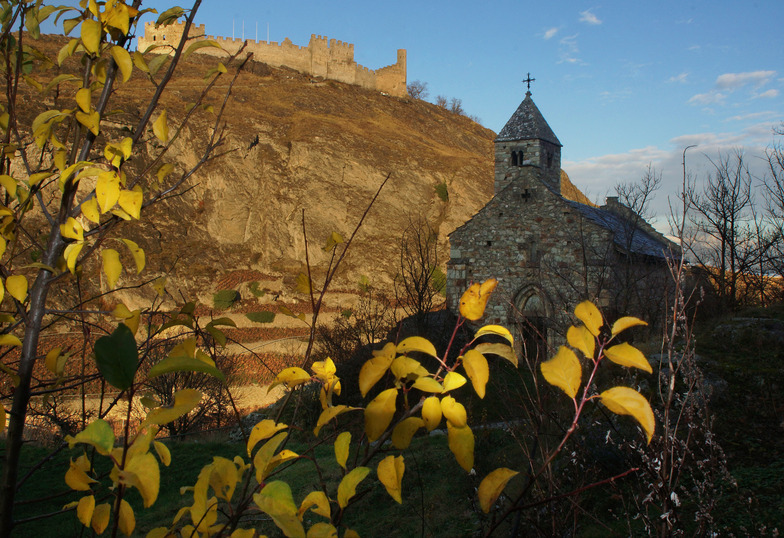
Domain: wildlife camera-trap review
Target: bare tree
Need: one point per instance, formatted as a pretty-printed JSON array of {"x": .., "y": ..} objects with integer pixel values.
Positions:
[
  {"x": 441, "y": 101},
  {"x": 420, "y": 281},
  {"x": 721, "y": 217},
  {"x": 417, "y": 89},
  {"x": 456, "y": 106}
]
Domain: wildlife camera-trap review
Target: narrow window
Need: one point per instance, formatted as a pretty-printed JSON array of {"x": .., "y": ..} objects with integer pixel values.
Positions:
[
  {"x": 489, "y": 243},
  {"x": 514, "y": 158}
]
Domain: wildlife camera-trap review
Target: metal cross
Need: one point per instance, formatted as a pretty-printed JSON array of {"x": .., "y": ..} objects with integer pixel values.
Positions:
[{"x": 528, "y": 81}]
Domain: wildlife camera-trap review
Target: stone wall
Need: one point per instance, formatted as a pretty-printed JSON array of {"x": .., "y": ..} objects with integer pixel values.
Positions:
[{"x": 322, "y": 57}]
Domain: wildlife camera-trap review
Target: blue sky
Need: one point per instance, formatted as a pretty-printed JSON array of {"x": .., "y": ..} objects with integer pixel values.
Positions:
[{"x": 622, "y": 83}]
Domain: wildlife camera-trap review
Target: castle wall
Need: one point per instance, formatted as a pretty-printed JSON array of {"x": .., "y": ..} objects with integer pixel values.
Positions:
[{"x": 322, "y": 57}]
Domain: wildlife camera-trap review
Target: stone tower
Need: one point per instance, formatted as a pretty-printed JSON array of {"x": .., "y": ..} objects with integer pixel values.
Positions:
[{"x": 527, "y": 141}]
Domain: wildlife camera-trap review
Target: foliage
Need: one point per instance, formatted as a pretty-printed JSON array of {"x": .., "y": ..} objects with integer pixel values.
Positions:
[{"x": 225, "y": 299}]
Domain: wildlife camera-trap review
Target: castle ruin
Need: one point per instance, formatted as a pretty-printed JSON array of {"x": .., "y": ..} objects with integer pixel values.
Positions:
[{"x": 322, "y": 57}]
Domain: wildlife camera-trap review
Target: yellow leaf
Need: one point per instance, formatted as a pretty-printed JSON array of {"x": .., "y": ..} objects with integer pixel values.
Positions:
[
  {"x": 428, "y": 384},
  {"x": 98, "y": 434},
  {"x": 461, "y": 443},
  {"x": 474, "y": 299},
  {"x": 163, "y": 452},
  {"x": 303, "y": 284},
  {"x": 564, "y": 371},
  {"x": 342, "y": 444},
  {"x": 477, "y": 370},
  {"x": 627, "y": 355},
  {"x": 275, "y": 499},
  {"x": 497, "y": 330},
  {"x": 324, "y": 370},
  {"x": 333, "y": 240},
  {"x": 453, "y": 411},
  {"x": 453, "y": 381},
  {"x": 16, "y": 285},
  {"x": 379, "y": 413},
  {"x": 223, "y": 478},
  {"x": 317, "y": 499},
  {"x": 237, "y": 533},
  {"x": 184, "y": 401},
  {"x": 322, "y": 530},
  {"x": 90, "y": 120},
  {"x": 624, "y": 323},
  {"x": 91, "y": 36},
  {"x": 76, "y": 477},
  {"x": 164, "y": 171},
  {"x": 291, "y": 376},
  {"x": 407, "y": 369},
  {"x": 2, "y": 418},
  {"x": 139, "y": 62},
  {"x": 390, "y": 473},
  {"x": 84, "y": 99},
  {"x": 431, "y": 413},
  {"x": 131, "y": 202},
  {"x": 159, "y": 285},
  {"x": 263, "y": 430},
  {"x": 348, "y": 486},
  {"x": 9, "y": 184},
  {"x": 375, "y": 368},
  {"x": 51, "y": 360},
  {"x": 137, "y": 253},
  {"x": 590, "y": 316},
  {"x": 71, "y": 255},
  {"x": 123, "y": 60},
  {"x": 85, "y": 509},
  {"x": 90, "y": 210},
  {"x": 111, "y": 266},
  {"x": 350, "y": 533},
  {"x": 492, "y": 485},
  {"x": 71, "y": 229},
  {"x": 9, "y": 340},
  {"x": 328, "y": 414},
  {"x": 626, "y": 401},
  {"x": 404, "y": 431},
  {"x": 265, "y": 454},
  {"x": 101, "y": 515},
  {"x": 143, "y": 473},
  {"x": 417, "y": 343},
  {"x": 580, "y": 338},
  {"x": 160, "y": 128},
  {"x": 502, "y": 350},
  {"x": 107, "y": 190},
  {"x": 127, "y": 521}
]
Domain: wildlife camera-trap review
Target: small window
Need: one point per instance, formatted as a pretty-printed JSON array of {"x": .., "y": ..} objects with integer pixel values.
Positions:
[
  {"x": 489, "y": 243},
  {"x": 549, "y": 159},
  {"x": 514, "y": 158}
]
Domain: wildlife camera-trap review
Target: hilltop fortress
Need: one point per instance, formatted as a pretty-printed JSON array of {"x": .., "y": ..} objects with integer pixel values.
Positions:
[{"x": 330, "y": 59}]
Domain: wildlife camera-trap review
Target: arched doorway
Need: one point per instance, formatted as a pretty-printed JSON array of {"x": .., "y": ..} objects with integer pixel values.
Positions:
[{"x": 531, "y": 315}]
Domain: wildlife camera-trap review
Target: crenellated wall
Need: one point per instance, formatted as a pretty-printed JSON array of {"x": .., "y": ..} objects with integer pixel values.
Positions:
[{"x": 322, "y": 57}]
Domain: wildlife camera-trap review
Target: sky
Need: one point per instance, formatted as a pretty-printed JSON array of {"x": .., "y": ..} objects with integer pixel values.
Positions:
[{"x": 623, "y": 84}]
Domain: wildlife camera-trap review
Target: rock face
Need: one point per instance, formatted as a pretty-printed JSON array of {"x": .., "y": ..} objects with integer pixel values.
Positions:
[{"x": 299, "y": 146}]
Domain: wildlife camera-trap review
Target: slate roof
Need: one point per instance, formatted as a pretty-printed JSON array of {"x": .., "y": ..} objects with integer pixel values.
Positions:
[
  {"x": 642, "y": 242},
  {"x": 527, "y": 123}
]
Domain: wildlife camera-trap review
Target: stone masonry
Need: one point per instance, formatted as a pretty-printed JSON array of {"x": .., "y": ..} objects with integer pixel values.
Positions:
[
  {"x": 547, "y": 252},
  {"x": 322, "y": 57}
]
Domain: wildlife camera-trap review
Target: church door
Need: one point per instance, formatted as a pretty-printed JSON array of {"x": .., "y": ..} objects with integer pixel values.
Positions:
[{"x": 532, "y": 326}]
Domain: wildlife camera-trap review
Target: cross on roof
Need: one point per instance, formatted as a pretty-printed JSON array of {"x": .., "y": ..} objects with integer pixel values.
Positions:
[{"x": 528, "y": 81}]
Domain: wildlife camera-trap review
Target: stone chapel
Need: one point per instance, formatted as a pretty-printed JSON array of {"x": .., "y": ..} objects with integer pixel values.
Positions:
[{"x": 549, "y": 252}]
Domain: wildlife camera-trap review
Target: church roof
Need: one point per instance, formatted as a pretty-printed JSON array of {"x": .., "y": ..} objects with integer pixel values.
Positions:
[
  {"x": 527, "y": 123},
  {"x": 628, "y": 235}
]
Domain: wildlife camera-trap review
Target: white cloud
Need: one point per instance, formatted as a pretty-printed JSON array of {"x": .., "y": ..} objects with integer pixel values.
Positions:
[
  {"x": 733, "y": 81},
  {"x": 679, "y": 78},
  {"x": 548, "y": 34},
  {"x": 754, "y": 115},
  {"x": 588, "y": 17},
  {"x": 569, "y": 50},
  {"x": 710, "y": 98},
  {"x": 769, "y": 94}
]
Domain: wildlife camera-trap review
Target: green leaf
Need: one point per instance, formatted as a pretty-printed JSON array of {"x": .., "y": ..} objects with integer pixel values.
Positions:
[
  {"x": 348, "y": 486},
  {"x": 181, "y": 363},
  {"x": 117, "y": 357},
  {"x": 224, "y": 299},
  {"x": 193, "y": 47},
  {"x": 169, "y": 16},
  {"x": 261, "y": 317},
  {"x": 98, "y": 434}
]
